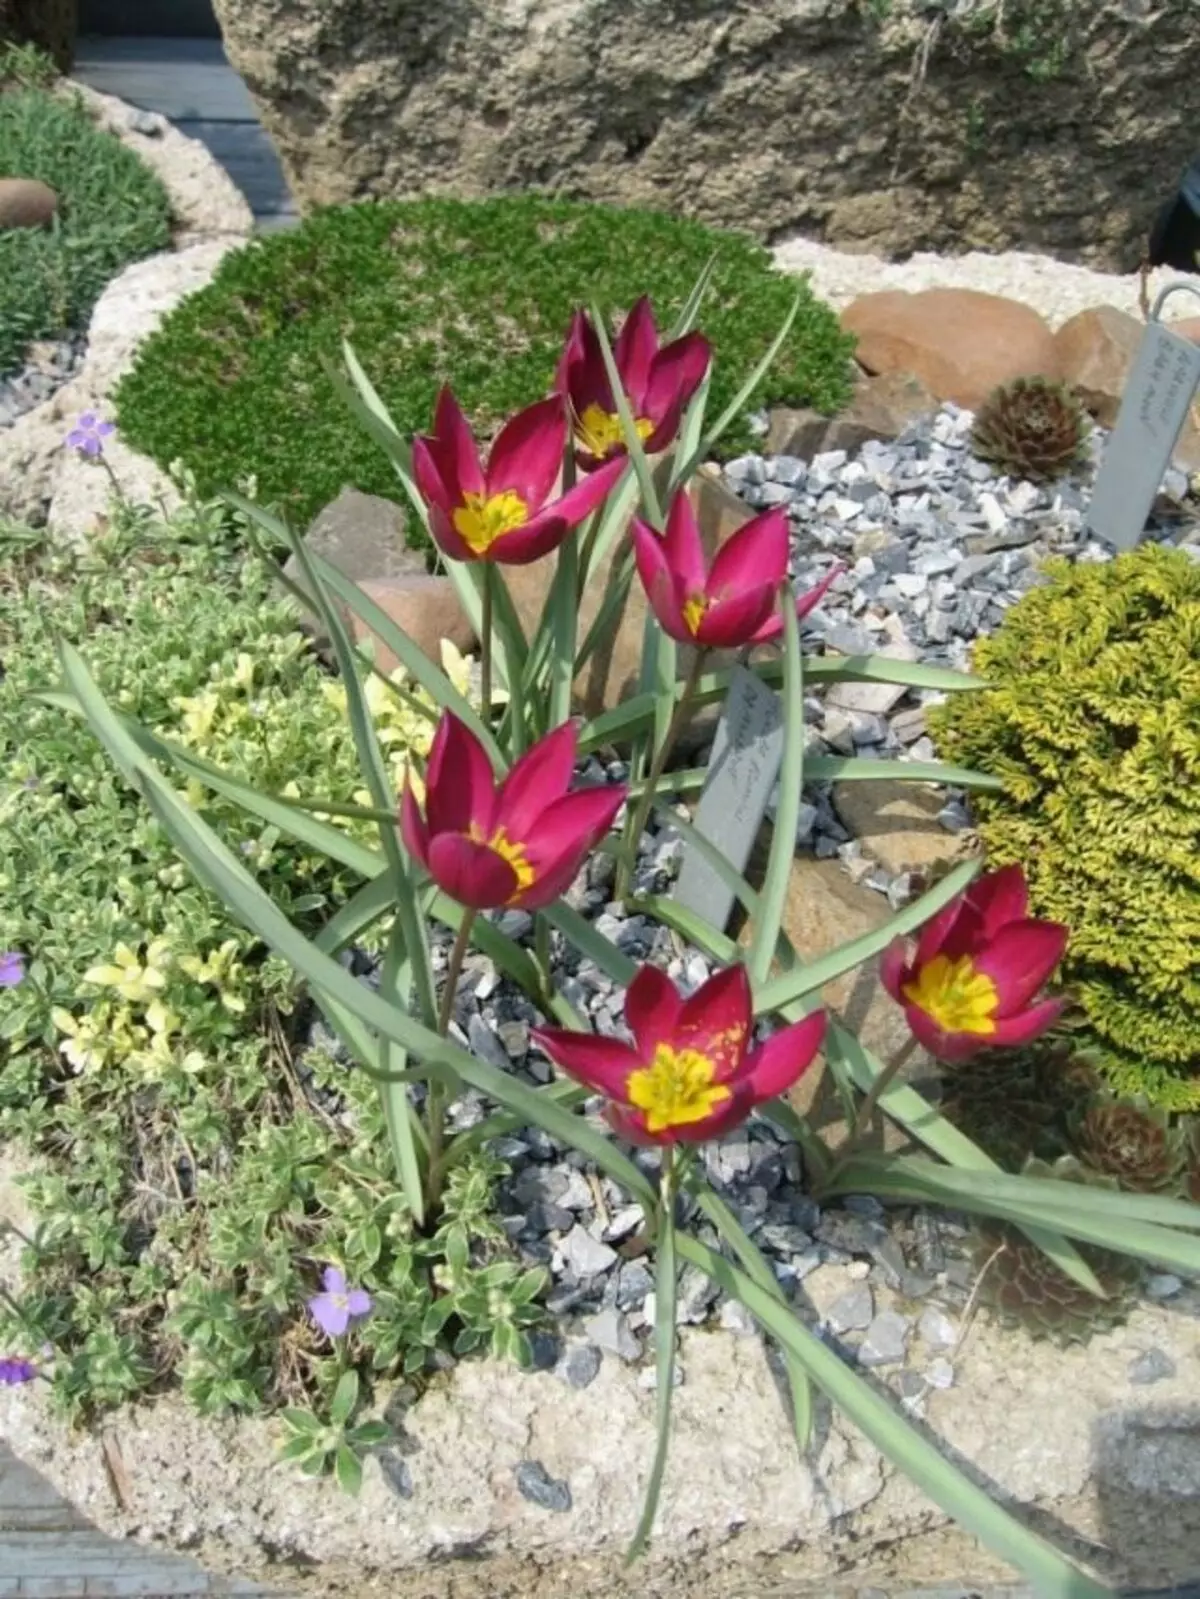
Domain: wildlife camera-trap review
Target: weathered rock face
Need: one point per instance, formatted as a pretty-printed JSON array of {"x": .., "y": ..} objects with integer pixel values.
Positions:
[
  {"x": 49, "y": 24},
  {"x": 923, "y": 131}
]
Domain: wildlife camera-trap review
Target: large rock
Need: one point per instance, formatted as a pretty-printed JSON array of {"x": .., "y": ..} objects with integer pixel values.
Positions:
[
  {"x": 881, "y": 407},
  {"x": 26, "y": 203},
  {"x": 805, "y": 114},
  {"x": 1097, "y": 348},
  {"x": 959, "y": 342},
  {"x": 897, "y": 824},
  {"x": 611, "y": 675}
]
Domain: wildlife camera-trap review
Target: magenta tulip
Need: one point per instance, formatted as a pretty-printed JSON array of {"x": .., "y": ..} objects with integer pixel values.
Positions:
[
  {"x": 977, "y": 969},
  {"x": 502, "y": 510},
  {"x": 734, "y": 603},
  {"x": 658, "y": 382},
  {"x": 517, "y": 843},
  {"x": 690, "y": 1074}
]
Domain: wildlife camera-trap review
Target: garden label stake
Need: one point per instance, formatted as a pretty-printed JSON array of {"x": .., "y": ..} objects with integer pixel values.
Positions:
[
  {"x": 1161, "y": 387},
  {"x": 746, "y": 756}
]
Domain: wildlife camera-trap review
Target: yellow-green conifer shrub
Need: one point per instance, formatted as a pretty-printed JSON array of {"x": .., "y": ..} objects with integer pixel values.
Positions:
[{"x": 1092, "y": 720}]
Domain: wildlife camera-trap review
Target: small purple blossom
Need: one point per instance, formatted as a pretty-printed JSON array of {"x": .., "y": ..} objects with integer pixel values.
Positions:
[
  {"x": 89, "y": 433},
  {"x": 12, "y": 968},
  {"x": 13, "y": 1372},
  {"x": 332, "y": 1311}
]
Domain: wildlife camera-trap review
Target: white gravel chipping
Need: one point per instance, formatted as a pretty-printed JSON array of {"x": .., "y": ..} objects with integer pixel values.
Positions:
[{"x": 1057, "y": 289}]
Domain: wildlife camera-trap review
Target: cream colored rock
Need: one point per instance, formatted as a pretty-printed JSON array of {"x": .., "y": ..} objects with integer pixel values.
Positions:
[
  {"x": 829, "y": 115},
  {"x": 897, "y": 824}
]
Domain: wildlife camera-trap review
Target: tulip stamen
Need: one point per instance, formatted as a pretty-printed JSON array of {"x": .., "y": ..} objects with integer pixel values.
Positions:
[
  {"x": 694, "y": 608},
  {"x": 955, "y": 995},
  {"x": 483, "y": 518},
  {"x": 599, "y": 432},
  {"x": 676, "y": 1088}
]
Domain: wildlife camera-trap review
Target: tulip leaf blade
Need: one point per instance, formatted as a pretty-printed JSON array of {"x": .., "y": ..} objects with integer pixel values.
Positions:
[
  {"x": 633, "y": 442},
  {"x": 866, "y": 769},
  {"x": 577, "y": 930},
  {"x": 691, "y": 306},
  {"x": 395, "y": 986},
  {"x": 361, "y": 911},
  {"x": 755, "y": 1265},
  {"x": 666, "y": 1294},
  {"x": 773, "y": 898},
  {"x": 1051, "y": 1574},
  {"x": 746, "y": 895},
  {"x": 933, "y": 1130},
  {"x": 356, "y": 391}
]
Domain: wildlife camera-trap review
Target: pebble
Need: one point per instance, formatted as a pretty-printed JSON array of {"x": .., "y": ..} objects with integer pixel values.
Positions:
[
  {"x": 536, "y": 1484},
  {"x": 1162, "y": 1285},
  {"x": 886, "y": 1340},
  {"x": 580, "y": 1366},
  {"x": 49, "y": 363},
  {"x": 1152, "y": 1365},
  {"x": 939, "y": 1373},
  {"x": 936, "y": 1329},
  {"x": 852, "y": 1311},
  {"x": 611, "y": 1332},
  {"x": 584, "y": 1255}
]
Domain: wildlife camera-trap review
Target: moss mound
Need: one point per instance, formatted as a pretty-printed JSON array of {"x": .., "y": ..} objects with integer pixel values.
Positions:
[
  {"x": 476, "y": 294},
  {"x": 1093, "y": 723}
]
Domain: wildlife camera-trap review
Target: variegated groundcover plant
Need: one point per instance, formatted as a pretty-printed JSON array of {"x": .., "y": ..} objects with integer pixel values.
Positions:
[{"x": 498, "y": 818}]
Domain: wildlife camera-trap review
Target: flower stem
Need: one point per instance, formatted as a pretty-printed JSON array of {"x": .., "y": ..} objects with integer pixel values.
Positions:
[
  {"x": 636, "y": 825},
  {"x": 485, "y": 645},
  {"x": 435, "y": 1104},
  {"x": 866, "y": 1111}
]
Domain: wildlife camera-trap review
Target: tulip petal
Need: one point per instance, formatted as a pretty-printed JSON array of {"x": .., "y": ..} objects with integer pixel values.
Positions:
[
  {"x": 539, "y": 777},
  {"x": 528, "y": 453},
  {"x": 630, "y": 1127},
  {"x": 807, "y": 602},
  {"x": 715, "y": 1020},
  {"x": 738, "y": 620},
  {"x": 1020, "y": 959},
  {"x": 565, "y": 832},
  {"x": 459, "y": 790},
  {"x": 585, "y": 374},
  {"x": 432, "y": 486},
  {"x": 999, "y": 897},
  {"x": 587, "y": 494},
  {"x": 573, "y": 353},
  {"x": 447, "y": 537},
  {"x": 659, "y": 582},
  {"x": 1027, "y": 1024},
  {"x": 473, "y": 874},
  {"x": 683, "y": 548},
  {"x": 894, "y": 970},
  {"x": 453, "y": 447},
  {"x": 634, "y": 352},
  {"x": 951, "y": 1047},
  {"x": 754, "y": 557},
  {"x": 652, "y": 1007},
  {"x": 601, "y": 1064},
  {"x": 530, "y": 541},
  {"x": 675, "y": 374},
  {"x": 413, "y": 832},
  {"x": 783, "y": 1059},
  {"x": 936, "y": 931}
]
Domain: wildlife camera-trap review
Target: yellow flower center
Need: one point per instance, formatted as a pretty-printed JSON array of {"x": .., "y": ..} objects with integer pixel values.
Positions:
[
  {"x": 678, "y": 1088},
  {"x": 482, "y": 518},
  {"x": 694, "y": 608},
  {"x": 954, "y": 995},
  {"x": 514, "y": 854},
  {"x": 598, "y": 431}
]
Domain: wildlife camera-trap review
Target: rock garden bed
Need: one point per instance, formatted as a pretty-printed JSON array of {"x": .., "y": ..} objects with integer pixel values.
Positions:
[{"x": 224, "y": 1151}]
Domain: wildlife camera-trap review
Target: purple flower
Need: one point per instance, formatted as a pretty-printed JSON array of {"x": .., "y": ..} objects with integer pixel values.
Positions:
[
  {"x": 333, "y": 1309},
  {"x": 13, "y": 1372},
  {"x": 12, "y": 968},
  {"x": 89, "y": 433}
]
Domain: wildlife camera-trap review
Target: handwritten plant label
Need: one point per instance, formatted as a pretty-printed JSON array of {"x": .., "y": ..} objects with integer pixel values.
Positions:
[
  {"x": 746, "y": 756},
  {"x": 1154, "y": 407}
]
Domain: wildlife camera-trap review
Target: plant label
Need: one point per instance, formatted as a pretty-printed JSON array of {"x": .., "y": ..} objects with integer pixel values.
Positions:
[
  {"x": 746, "y": 756},
  {"x": 1154, "y": 407}
]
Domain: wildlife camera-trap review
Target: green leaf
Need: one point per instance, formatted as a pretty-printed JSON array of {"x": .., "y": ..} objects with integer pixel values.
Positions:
[
  {"x": 736, "y": 406},
  {"x": 689, "y": 925},
  {"x": 809, "y": 980},
  {"x": 746, "y": 895},
  {"x": 302, "y": 1422},
  {"x": 773, "y": 899},
  {"x": 362, "y": 400},
  {"x": 633, "y": 443},
  {"x": 297, "y": 1448},
  {"x": 564, "y": 610},
  {"x": 347, "y": 1468},
  {"x": 666, "y": 1290},
  {"x": 370, "y": 1435},
  {"x": 862, "y": 769},
  {"x": 1050, "y": 1574},
  {"x": 759, "y": 1271},
  {"x": 906, "y": 1106},
  {"x": 361, "y": 911},
  {"x": 345, "y": 1397},
  {"x": 577, "y": 930},
  {"x": 395, "y": 985},
  {"x": 691, "y": 306}
]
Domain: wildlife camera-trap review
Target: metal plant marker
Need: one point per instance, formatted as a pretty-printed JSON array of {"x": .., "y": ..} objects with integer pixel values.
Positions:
[
  {"x": 1158, "y": 396},
  {"x": 746, "y": 756}
]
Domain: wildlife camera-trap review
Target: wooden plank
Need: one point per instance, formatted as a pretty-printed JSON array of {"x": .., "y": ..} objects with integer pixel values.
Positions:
[
  {"x": 248, "y": 156},
  {"x": 179, "y": 78}
]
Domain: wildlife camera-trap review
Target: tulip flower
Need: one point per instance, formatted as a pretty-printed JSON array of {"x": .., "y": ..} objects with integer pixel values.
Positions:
[
  {"x": 502, "y": 510},
  {"x": 734, "y": 603},
  {"x": 519, "y": 843},
  {"x": 689, "y": 1075},
  {"x": 977, "y": 969},
  {"x": 658, "y": 382}
]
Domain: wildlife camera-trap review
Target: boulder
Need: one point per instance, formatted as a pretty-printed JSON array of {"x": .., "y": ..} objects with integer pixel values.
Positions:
[
  {"x": 896, "y": 824},
  {"x": 960, "y": 343},
  {"x": 881, "y": 407},
  {"x": 781, "y": 115},
  {"x": 26, "y": 203},
  {"x": 363, "y": 536},
  {"x": 611, "y": 675},
  {"x": 1097, "y": 348}
]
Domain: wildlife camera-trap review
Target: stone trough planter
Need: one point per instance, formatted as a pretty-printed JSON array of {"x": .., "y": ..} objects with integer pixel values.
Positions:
[{"x": 40, "y": 482}]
